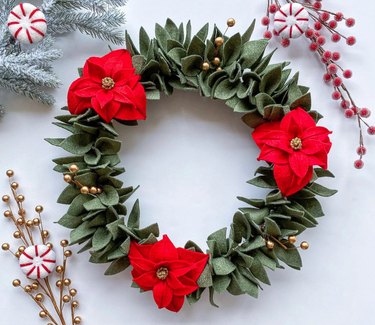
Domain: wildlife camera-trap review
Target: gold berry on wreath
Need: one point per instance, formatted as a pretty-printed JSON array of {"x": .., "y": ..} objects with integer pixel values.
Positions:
[
  {"x": 10, "y": 173},
  {"x": 231, "y": 22}
]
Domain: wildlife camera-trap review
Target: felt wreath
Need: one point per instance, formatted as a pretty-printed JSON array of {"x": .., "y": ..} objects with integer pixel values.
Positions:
[{"x": 263, "y": 234}]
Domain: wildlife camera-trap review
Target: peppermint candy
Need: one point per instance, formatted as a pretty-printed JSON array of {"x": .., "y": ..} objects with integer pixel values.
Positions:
[
  {"x": 291, "y": 20},
  {"x": 37, "y": 261},
  {"x": 27, "y": 23}
]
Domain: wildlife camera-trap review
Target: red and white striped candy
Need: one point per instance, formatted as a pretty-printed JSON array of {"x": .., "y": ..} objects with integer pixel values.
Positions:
[
  {"x": 291, "y": 20},
  {"x": 38, "y": 261},
  {"x": 27, "y": 23}
]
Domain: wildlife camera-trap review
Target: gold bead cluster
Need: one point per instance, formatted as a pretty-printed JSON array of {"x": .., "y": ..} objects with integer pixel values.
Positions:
[
  {"x": 271, "y": 242},
  {"x": 219, "y": 42},
  {"x": 70, "y": 178}
]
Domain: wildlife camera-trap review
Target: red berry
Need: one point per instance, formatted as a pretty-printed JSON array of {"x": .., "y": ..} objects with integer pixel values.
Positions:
[
  {"x": 351, "y": 40},
  {"x": 332, "y": 68},
  {"x": 350, "y": 22},
  {"x": 348, "y": 113},
  {"x": 345, "y": 104},
  {"x": 273, "y": 8},
  {"x": 335, "y": 38},
  {"x": 336, "y": 95},
  {"x": 337, "y": 82},
  {"x": 336, "y": 56},
  {"x": 309, "y": 33},
  {"x": 355, "y": 110},
  {"x": 332, "y": 24},
  {"x": 313, "y": 46},
  {"x": 365, "y": 112},
  {"x": 317, "y": 5},
  {"x": 327, "y": 55},
  {"x": 371, "y": 130},
  {"x": 358, "y": 164},
  {"x": 361, "y": 150},
  {"x": 321, "y": 40},
  {"x": 265, "y": 21},
  {"x": 339, "y": 16},
  {"x": 267, "y": 34},
  {"x": 347, "y": 74},
  {"x": 325, "y": 16},
  {"x": 285, "y": 42},
  {"x": 318, "y": 25},
  {"x": 327, "y": 77}
]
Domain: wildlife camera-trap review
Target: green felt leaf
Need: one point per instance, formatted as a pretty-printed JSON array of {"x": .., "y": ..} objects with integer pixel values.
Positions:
[
  {"x": 161, "y": 36},
  {"x": 118, "y": 266},
  {"x": 101, "y": 239},
  {"x": 108, "y": 146},
  {"x": 94, "y": 204},
  {"x": 225, "y": 90},
  {"x": 270, "y": 81},
  {"x": 196, "y": 47},
  {"x": 303, "y": 101},
  {"x": 192, "y": 65},
  {"x": 247, "y": 35},
  {"x": 113, "y": 227},
  {"x": 172, "y": 29},
  {"x": 77, "y": 144},
  {"x": 262, "y": 100},
  {"x": 81, "y": 233},
  {"x": 321, "y": 190},
  {"x": 271, "y": 227},
  {"x": 133, "y": 221},
  {"x": 205, "y": 279},
  {"x": 203, "y": 32},
  {"x": 220, "y": 237},
  {"x": 177, "y": 54},
  {"x": 144, "y": 41},
  {"x": 290, "y": 256},
  {"x": 70, "y": 221},
  {"x": 68, "y": 195},
  {"x": 254, "y": 244},
  {"x": 232, "y": 49},
  {"x": 88, "y": 179},
  {"x": 76, "y": 208},
  {"x": 273, "y": 112},
  {"x": 147, "y": 231},
  {"x": 139, "y": 62},
  {"x": 251, "y": 52},
  {"x": 92, "y": 157},
  {"x": 263, "y": 182},
  {"x": 109, "y": 196},
  {"x": 221, "y": 283},
  {"x": 253, "y": 119},
  {"x": 222, "y": 266},
  {"x": 320, "y": 172}
]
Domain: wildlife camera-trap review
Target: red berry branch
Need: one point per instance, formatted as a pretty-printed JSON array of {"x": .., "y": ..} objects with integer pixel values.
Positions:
[{"x": 292, "y": 19}]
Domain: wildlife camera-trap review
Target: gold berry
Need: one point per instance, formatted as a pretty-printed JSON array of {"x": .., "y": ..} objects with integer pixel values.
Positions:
[
  {"x": 14, "y": 185},
  {"x": 66, "y": 298},
  {"x": 99, "y": 190},
  {"x": 219, "y": 69},
  {"x": 45, "y": 234},
  {"x": 73, "y": 292},
  {"x": 64, "y": 243},
  {"x": 73, "y": 168},
  {"x": 59, "y": 283},
  {"x": 38, "y": 209},
  {"x": 6, "y": 198},
  {"x": 205, "y": 66},
  {"x": 219, "y": 41},
  {"x": 270, "y": 244},
  {"x": 17, "y": 234},
  {"x": 67, "y": 178},
  {"x": 28, "y": 288},
  {"x": 29, "y": 223},
  {"x": 49, "y": 245},
  {"x": 85, "y": 190},
  {"x": 292, "y": 239},
  {"x": 59, "y": 269},
  {"x": 7, "y": 213},
  {"x": 21, "y": 212},
  {"x": 5, "y": 247},
  {"x": 21, "y": 249},
  {"x": 216, "y": 61},
  {"x": 304, "y": 245},
  {"x": 42, "y": 314},
  {"x": 93, "y": 190},
  {"x": 17, "y": 254},
  {"x": 77, "y": 320},
  {"x": 20, "y": 221},
  {"x": 16, "y": 283},
  {"x": 75, "y": 304},
  {"x": 68, "y": 253},
  {"x": 20, "y": 198},
  {"x": 10, "y": 173},
  {"x": 231, "y": 22},
  {"x": 39, "y": 297},
  {"x": 36, "y": 221},
  {"x": 35, "y": 286},
  {"x": 67, "y": 282}
]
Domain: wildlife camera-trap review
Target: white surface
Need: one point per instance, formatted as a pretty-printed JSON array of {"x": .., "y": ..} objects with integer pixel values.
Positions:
[{"x": 192, "y": 158}]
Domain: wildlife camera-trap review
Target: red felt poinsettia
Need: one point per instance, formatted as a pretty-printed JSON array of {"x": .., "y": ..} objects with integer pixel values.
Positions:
[
  {"x": 110, "y": 86},
  {"x": 294, "y": 145},
  {"x": 170, "y": 272}
]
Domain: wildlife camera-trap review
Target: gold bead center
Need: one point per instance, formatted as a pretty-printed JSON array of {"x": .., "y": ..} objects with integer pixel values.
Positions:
[
  {"x": 162, "y": 273},
  {"x": 108, "y": 83},
  {"x": 296, "y": 143}
]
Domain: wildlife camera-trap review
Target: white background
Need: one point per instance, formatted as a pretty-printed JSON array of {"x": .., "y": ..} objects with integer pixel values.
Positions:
[{"x": 192, "y": 158}]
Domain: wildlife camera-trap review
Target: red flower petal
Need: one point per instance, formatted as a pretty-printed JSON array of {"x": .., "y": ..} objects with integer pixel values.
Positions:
[
  {"x": 142, "y": 264},
  {"x": 179, "y": 288},
  {"x": 104, "y": 97},
  {"x": 273, "y": 155},
  {"x": 295, "y": 122},
  {"x": 299, "y": 163},
  {"x": 260, "y": 134},
  {"x": 146, "y": 280},
  {"x": 163, "y": 250},
  {"x": 93, "y": 69},
  {"x": 316, "y": 133},
  {"x": 199, "y": 260},
  {"x": 162, "y": 294},
  {"x": 176, "y": 303},
  {"x": 288, "y": 182}
]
